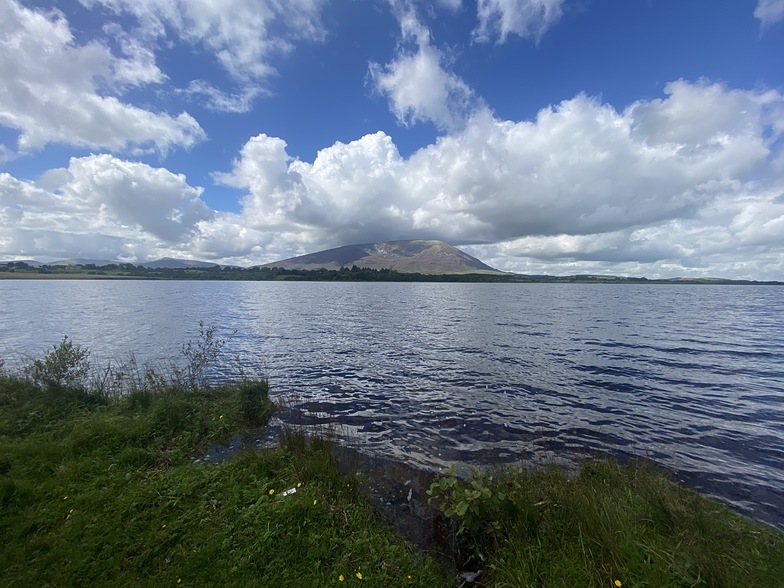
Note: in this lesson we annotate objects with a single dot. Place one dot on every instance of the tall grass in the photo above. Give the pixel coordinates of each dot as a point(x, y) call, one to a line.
point(626, 524)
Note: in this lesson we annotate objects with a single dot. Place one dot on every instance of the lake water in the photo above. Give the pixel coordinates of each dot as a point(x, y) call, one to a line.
point(434, 374)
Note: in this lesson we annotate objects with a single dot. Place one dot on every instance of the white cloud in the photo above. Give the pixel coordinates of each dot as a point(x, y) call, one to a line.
point(99, 199)
point(139, 67)
point(243, 36)
point(49, 89)
point(770, 11)
point(583, 168)
point(421, 90)
point(529, 19)
point(220, 101)
point(238, 32)
point(6, 154)
point(453, 5)
point(418, 84)
point(350, 193)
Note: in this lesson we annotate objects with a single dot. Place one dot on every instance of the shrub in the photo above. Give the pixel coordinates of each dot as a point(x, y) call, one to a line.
point(474, 503)
point(65, 366)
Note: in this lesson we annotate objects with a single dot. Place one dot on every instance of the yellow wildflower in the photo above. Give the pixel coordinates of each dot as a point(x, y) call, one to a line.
point(272, 491)
point(618, 583)
point(359, 575)
point(299, 484)
point(221, 417)
point(341, 578)
point(179, 580)
point(315, 501)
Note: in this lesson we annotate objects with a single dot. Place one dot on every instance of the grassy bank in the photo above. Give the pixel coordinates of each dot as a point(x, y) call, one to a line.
point(97, 492)
point(612, 525)
point(99, 488)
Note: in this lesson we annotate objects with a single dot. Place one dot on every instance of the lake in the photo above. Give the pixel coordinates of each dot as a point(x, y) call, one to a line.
point(474, 374)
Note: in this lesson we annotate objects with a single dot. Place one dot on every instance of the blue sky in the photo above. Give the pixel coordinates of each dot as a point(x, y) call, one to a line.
point(633, 137)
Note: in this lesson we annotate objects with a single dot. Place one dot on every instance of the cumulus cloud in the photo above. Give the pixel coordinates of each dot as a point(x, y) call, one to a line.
point(529, 19)
point(243, 36)
point(123, 206)
point(740, 234)
point(421, 90)
point(350, 193)
point(49, 89)
point(418, 84)
point(770, 11)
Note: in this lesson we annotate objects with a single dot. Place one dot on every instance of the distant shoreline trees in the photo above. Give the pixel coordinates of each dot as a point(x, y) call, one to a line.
point(21, 269)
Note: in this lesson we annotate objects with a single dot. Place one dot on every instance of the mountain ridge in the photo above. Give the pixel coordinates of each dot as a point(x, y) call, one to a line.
point(175, 263)
point(412, 256)
point(163, 263)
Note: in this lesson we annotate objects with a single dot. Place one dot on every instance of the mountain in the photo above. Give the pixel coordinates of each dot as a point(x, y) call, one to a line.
point(171, 263)
point(425, 257)
point(82, 262)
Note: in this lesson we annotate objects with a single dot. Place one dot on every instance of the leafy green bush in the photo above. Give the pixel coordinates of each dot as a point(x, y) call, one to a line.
point(474, 503)
point(64, 366)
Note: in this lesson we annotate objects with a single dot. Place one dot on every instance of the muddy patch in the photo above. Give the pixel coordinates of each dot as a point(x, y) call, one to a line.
point(398, 492)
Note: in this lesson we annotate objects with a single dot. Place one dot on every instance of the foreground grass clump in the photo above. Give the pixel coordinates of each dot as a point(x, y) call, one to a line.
point(612, 525)
point(105, 492)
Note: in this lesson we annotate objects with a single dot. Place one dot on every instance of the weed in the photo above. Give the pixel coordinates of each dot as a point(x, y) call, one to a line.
point(254, 401)
point(199, 355)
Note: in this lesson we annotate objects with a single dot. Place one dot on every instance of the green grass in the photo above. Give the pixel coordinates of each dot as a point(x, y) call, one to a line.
point(103, 491)
point(100, 492)
point(611, 523)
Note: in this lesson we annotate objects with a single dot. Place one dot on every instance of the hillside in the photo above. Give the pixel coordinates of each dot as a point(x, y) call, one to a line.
point(425, 257)
point(171, 263)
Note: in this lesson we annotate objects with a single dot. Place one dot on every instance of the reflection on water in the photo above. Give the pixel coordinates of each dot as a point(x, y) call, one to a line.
point(690, 376)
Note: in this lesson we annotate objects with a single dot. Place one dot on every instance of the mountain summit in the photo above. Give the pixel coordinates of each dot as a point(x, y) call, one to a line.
point(425, 257)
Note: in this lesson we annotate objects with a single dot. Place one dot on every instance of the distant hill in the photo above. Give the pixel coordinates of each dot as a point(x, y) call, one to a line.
point(82, 262)
point(420, 256)
point(164, 263)
point(171, 263)
point(30, 262)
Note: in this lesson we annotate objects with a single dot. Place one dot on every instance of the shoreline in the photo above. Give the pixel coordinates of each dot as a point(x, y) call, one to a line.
point(186, 484)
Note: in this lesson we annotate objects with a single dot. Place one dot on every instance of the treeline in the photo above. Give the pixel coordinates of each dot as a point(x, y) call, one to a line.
point(345, 274)
point(22, 269)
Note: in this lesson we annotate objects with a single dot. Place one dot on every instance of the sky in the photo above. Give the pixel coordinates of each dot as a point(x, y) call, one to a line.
point(624, 137)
